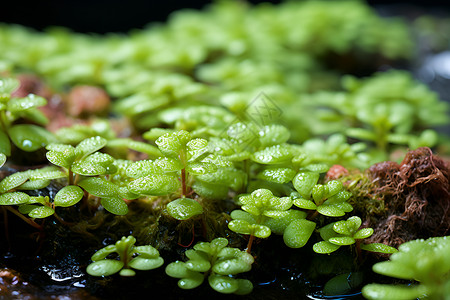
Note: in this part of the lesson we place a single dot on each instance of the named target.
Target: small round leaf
(68, 196)
(104, 267)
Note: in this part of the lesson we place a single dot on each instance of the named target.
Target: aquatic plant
(424, 263)
(129, 257)
(217, 262)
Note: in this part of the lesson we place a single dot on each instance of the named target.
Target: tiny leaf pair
(129, 257)
(216, 261)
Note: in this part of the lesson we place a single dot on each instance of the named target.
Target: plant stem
(249, 244)
(183, 182)
(29, 221)
(70, 177)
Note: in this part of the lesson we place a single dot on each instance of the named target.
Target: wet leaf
(12, 181)
(99, 187)
(156, 185)
(325, 247)
(90, 145)
(104, 267)
(14, 198)
(385, 291)
(30, 137)
(115, 206)
(378, 247)
(16, 105)
(140, 263)
(68, 196)
(223, 284)
(298, 232)
(184, 208)
(273, 155)
(41, 212)
(61, 155)
(278, 175)
(304, 182)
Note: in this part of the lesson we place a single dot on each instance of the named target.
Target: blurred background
(103, 16)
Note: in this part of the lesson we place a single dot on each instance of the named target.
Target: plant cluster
(235, 120)
(425, 263)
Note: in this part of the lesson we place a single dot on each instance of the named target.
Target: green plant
(347, 232)
(27, 137)
(424, 261)
(328, 199)
(257, 208)
(83, 159)
(218, 263)
(129, 257)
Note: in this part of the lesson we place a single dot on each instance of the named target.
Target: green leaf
(273, 155)
(363, 233)
(104, 267)
(34, 184)
(61, 155)
(305, 204)
(170, 144)
(304, 182)
(325, 247)
(157, 185)
(41, 212)
(93, 164)
(151, 150)
(198, 265)
(394, 269)
(115, 206)
(8, 85)
(273, 134)
(342, 240)
(241, 262)
(104, 252)
(201, 168)
(378, 247)
(5, 144)
(385, 291)
(90, 145)
(240, 226)
(68, 196)
(245, 287)
(30, 137)
(14, 198)
(223, 284)
(298, 232)
(278, 175)
(16, 105)
(99, 187)
(196, 148)
(140, 263)
(184, 208)
(12, 181)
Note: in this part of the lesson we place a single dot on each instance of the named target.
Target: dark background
(101, 16)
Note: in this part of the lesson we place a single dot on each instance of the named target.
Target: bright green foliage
(218, 263)
(257, 208)
(82, 159)
(344, 233)
(76, 133)
(390, 108)
(129, 257)
(42, 207)
(111, 195)
(28, 137)
(425, 261)
(184, 208)
(329, 199)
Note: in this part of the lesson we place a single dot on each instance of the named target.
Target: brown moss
(416, 196)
